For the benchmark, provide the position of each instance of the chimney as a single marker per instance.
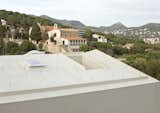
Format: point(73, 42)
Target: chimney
point(55, 26)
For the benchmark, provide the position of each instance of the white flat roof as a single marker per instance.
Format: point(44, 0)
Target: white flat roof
point(61, 72)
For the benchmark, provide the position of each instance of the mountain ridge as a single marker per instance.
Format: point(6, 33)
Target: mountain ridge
point(115, 24)
point(149, 30)
point(71, 23)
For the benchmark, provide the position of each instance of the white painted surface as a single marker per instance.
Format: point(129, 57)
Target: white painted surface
point(100, 38)
point(60, 71)
point(66, 86)
point(134, 99)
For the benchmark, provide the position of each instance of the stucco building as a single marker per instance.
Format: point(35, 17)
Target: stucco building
point(100, 38)
point(67, 37)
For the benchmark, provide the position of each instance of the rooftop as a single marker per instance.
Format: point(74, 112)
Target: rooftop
point(50, 28)
point(47, 28)
point(39, 72)
point(74, 38)
point(69, 29)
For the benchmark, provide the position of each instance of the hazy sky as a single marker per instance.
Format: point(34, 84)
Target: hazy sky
point(91, 12)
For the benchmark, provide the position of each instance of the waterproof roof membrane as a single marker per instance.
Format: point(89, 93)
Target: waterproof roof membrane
point(43, 73)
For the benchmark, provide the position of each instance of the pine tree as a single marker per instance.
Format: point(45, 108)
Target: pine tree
point(2, 46)
point(36, 33)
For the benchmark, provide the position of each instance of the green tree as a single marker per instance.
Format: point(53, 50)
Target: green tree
point(12, 20)
point(139, 48)
point(145, 63)
point(85, 48)
point(2, 31)
point(119, 50)
point(2, 46)
point(21, 34)
point(36, 33)
point(45, 36)
point(27, 46)
point(40, 47)
point(12, 48)
point(88, 34)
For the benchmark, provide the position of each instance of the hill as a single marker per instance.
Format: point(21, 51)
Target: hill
point(17, 19)
point(116, 26)
point(150, 30)
point(71, 23)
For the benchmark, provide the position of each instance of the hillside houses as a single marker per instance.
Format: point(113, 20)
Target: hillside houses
point(14, 33)
point(67, 38)
point(152, 40)
point(100, 38)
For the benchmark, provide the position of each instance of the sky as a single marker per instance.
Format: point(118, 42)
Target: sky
point(91, 12)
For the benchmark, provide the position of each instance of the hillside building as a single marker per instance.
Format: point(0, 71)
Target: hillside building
point(3, 22)
point(100, 38)
point(64, 37)
point(151, 40)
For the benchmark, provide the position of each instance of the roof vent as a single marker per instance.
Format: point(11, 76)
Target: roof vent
point(34, 63)
point(55, 26)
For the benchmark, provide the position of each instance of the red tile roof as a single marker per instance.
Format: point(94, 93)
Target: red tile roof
point(47, 28)
point(69, 29)
point(74, 38)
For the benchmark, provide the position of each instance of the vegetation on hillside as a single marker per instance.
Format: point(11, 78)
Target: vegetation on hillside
point(23, 20)
point(145, 57)
point(36, 33)
point(26, 46)
point(18, 26)
point(12, 48)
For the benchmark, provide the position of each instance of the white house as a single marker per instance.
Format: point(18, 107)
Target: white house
point(100, 38)
point(66, 36)
point(90, 82)
point(3, 22)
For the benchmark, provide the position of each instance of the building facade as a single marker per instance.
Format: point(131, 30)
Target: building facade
point(100, 38)
point(65, 37)
point(3, 22)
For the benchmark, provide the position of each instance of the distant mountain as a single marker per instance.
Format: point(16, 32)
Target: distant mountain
point(18, 20)
point(116, 26)
point(152, 26)
point(150, 30)
point(71, 23)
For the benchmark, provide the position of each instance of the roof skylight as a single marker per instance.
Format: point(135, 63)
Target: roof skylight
point(34, 63)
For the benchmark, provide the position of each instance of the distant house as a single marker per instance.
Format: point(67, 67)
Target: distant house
point(128, 46)
point(74, 42)
point(3, 22)
point(152, 40)
point(64, 37)
point(100, 38)
point(46, 28)
point(12, 32)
